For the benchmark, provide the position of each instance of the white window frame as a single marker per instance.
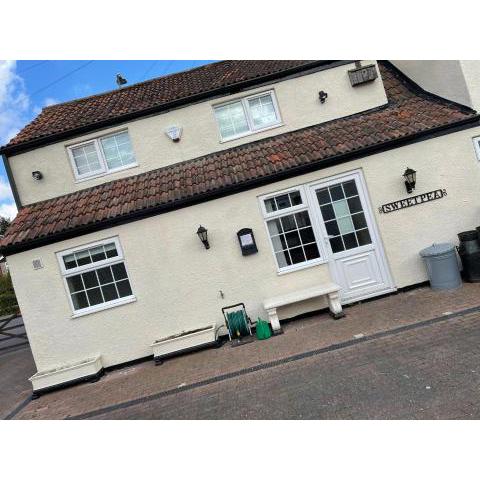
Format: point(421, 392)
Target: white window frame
point(476, 144)
point(94, 266)
point(246, 109)
point(304, 206)
point(104, 170)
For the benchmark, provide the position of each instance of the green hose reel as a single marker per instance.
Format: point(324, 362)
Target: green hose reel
point(237, 321)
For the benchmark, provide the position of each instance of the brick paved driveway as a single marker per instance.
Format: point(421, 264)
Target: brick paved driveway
point(304, 360)
point(428, 372)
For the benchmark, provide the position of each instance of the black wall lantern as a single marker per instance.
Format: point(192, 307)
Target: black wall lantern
point(410, 177)
point(247, 241)
point(322, 96)
point(203, 236)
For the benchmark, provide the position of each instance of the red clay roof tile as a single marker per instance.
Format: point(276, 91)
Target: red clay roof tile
point(409, 111)
point(153, 93)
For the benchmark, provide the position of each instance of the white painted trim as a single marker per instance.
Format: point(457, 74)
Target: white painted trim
point(94, 266)
point(246, 110)
point(89, 266)
point(105, 170)
point(377, 244)
point(279, 213)
point(103, 306)
point(305, 206)
point(476, 144)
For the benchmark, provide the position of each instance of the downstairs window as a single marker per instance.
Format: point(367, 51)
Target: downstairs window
point(95, 276)
point(290, 229)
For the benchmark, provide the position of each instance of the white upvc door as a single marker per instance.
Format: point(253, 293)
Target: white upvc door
point(351, 241)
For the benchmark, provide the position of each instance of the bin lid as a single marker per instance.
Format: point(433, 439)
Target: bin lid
point(437, 249)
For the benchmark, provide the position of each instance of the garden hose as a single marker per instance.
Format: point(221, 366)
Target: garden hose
point(237, 324)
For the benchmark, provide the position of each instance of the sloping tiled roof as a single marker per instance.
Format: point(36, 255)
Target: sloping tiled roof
point(408, 114)
point(144, 96)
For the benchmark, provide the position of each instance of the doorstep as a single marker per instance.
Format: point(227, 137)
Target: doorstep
point(316, 332)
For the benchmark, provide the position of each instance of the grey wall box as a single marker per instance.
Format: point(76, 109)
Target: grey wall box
point(247, 241)
point(360, 75)
point(442, 266)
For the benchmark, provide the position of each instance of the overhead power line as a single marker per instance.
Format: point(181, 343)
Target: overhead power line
point(63, 77)
point(27, 69)
point(148, 70)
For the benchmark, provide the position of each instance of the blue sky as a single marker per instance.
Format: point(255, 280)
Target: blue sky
point(28, 85)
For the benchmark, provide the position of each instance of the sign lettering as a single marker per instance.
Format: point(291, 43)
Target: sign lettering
point(412, 201)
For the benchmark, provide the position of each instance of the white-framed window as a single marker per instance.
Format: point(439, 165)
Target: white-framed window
point(95, 276)
point(247, 115)
point(476, 143)
point(289, 226)
point(99, 156)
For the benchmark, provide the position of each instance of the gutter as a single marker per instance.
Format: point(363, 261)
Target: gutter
point(227, 90)
point(11, 180)
point(464, 124)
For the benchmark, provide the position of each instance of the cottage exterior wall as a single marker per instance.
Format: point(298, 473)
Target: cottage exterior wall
point(456, 80)
point(177, 282)
point(299, 107)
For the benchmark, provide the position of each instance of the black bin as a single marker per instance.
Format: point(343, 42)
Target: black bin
point(469, 252)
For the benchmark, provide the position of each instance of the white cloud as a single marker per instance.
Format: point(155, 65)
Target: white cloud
point(7, 204)
point(5, 191)
point(47, 102)
point(14, 101)
point(8, 210)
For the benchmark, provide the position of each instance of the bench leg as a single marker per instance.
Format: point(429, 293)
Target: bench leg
point(274, 321)
point(334, 305)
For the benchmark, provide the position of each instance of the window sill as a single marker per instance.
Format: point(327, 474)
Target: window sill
point(248, 134)
point(105, 306)
point(303, 266)
point(104, 174)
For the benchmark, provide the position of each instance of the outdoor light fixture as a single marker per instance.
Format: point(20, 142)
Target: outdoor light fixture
point(203, 236)
point(410, 177)
point(37, 175)
point(322, 96)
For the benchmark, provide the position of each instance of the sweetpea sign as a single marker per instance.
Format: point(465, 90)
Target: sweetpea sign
point(412, 201)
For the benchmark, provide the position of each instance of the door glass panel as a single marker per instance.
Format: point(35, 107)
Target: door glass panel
point(341, 208)
point(343, 216)
point(364, 237)
point(327, 212)
point(345, 225)
point(336, 192)
point(323, 196)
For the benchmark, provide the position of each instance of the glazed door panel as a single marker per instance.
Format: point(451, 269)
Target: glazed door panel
point(354, 251)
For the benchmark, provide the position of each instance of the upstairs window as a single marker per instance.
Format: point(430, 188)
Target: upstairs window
point(476, 143)
point(107, 154)
point(247, 115)
point(95, 276)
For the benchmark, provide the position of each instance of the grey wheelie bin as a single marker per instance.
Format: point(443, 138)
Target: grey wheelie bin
point(442, 266)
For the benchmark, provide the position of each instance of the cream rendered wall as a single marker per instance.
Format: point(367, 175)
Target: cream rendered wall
point(471, 72)
point(299, 107)
point(177, 282)
point(457, 80)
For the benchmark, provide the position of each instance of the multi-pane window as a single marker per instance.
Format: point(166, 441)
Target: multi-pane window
point(96, 276)
point(247, 115)
point(290, 230)
point(102, 155)
point(476, 143)
point(343, 216)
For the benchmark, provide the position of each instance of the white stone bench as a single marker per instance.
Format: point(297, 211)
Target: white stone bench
point(330, 290)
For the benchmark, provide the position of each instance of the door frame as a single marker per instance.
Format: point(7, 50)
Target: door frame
point(358, 176)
